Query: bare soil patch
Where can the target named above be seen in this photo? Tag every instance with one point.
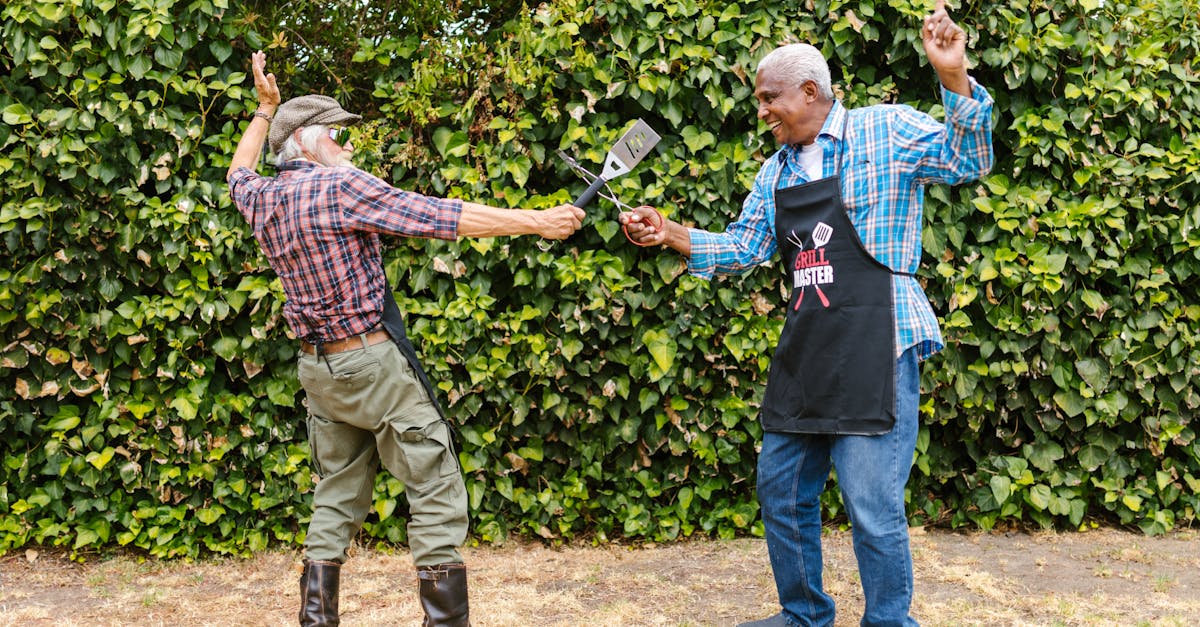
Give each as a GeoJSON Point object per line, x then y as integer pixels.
{"type": "Point", "coordinates": [1099, 577]}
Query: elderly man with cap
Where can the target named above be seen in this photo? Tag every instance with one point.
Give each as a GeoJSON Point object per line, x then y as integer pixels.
{"type": "Point", "coordinates": [319, 223]}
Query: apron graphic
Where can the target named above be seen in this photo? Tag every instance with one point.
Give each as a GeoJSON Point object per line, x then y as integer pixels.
{"type": "Point", "coordinates": [811, 267]}
{"type": "Point", "coordinates": [834, 367]}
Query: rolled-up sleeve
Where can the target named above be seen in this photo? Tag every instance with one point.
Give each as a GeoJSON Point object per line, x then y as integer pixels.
{"type": "Point", "coordinates": [745, 244]}
{"type": "Point", "coordinates": [375, 206]}
{"type": "Point", "coordinates": [961, 149]}
{"type": "Point", "coordinates": [244, 188]}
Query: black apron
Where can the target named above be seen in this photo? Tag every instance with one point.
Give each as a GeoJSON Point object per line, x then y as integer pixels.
{"type": "Point", "coordinates": [834, 368]}
{"type": "Point", "coordinates": [393, 323]}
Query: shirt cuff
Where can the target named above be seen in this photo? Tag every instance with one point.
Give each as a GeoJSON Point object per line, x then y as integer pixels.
{"type": "Point", "coordinates": [967, 111]}
{"type": "Point", "coordinates": [702, 263]}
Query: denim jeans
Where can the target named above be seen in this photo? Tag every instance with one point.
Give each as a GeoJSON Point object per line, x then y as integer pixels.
{"type": "Point", "coordinates": [871, 472]}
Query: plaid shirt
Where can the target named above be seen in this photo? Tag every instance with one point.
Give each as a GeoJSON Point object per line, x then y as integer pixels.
{"type": "Point", "coordinates": [894, 152]}
{"type": "Point", "coordinates": [319, 228]}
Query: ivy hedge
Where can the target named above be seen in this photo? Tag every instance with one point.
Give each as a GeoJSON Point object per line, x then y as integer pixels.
{"type": "Point", "coordinates": [148, 395]}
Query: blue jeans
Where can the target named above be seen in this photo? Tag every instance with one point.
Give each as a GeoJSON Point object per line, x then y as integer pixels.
{"type": "Point", "coordinates": [871, 471]}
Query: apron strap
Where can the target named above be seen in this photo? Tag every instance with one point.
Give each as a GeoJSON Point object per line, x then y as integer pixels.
{"type": "Point", "coordinates": [393, 323]}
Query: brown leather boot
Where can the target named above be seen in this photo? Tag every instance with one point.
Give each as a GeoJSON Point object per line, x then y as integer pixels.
{"type": "Point", "coordinates": [319, 594]}
{"type": "Point", "coordinates": [444, 595]}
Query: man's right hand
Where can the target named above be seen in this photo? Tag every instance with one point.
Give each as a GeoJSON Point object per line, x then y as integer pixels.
{"type": "Point", "coordinates": [559, 222]}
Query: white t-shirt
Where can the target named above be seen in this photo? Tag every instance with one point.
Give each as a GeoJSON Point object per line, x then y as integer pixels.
{"type": "Point", "coordinates": [811, 157]}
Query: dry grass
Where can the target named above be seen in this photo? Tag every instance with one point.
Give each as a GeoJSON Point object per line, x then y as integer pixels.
{"type": "Point", "coordinates": [1102, 577]}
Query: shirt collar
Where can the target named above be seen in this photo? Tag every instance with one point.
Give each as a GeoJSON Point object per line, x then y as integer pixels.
{"type": "Point", "coordinates": [834, 125]}
{"type": "Point", "coordinates": [298, 164]}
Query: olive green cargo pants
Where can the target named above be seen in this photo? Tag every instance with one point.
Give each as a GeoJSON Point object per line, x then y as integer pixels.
{"type": "Point", "coordinates": [366, 407]}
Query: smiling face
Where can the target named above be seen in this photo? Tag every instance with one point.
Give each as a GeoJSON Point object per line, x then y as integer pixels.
{"type": "Point", "coordinates": [794, 113]}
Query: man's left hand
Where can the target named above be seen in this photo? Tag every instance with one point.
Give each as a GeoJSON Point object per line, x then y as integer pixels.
{"type": "Point", "coordinates": [264, 84]}
{"type": "Point", "coordinates": [946, 47]}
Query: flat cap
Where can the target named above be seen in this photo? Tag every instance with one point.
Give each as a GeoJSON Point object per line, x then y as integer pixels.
{"type": "Point", "coordinates": [306, 111]}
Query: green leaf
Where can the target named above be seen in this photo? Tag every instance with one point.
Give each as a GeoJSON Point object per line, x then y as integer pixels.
{"type": "Point", "coordinates": [662, 348]}
{"type": "Point", "coordinates": [1001, 488]}
{"type": "Point", "coordinates": [1070, 402]}
{"type": "Point", "coordinates": [571, 348]}
{"type": "Point", "coordinates": [63, 423]}
{"type": "Point", "coordinates": [227, 348]}
{"type": "Point", "coordinates": [100, 459]}
{"type": "Point", "coordinates": [138, 66]}
{"type": "Point", "coordinates": [1039, 496]}
{"type": "Point", "coordinates": [16, 114]}
{"type": "Point", "coordinates": [1043, 454]}
{"type": "Point", "coordinates": [451, 143]}
{"type": "Point", "coordinates": [1092, 456]}
{"type": "Point", "coordinates": [221, 50]}
{"type": "Point", "coordinates": [1094, 372]}
{"type": "Point", "coordinates": [210, 515]}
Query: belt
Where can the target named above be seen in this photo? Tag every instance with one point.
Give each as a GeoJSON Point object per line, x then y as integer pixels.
{"type": "Point", "coordinates": [351, 343]}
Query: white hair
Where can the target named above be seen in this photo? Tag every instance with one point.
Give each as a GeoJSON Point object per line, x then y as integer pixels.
{"type": "Point", "coordinates": [799, 63]}
{"type": "Point", "coordinates": [310, 136]}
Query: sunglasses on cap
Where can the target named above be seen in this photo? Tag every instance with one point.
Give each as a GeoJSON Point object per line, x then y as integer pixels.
{"type": "Point", "coordinates": [340, 135]}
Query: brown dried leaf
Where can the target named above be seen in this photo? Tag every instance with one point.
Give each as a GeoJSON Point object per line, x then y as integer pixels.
{"type": "Point", "coordinates": [517, 462]}
{"type": "Point", "coordinates": [83, 368]}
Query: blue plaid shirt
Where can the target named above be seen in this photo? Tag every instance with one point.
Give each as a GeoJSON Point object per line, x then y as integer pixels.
{"type": "Point", "coordinates": [893, 152]}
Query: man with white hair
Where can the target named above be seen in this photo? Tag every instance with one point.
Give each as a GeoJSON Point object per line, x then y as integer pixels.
{"type": "Point", "coordinates": [841, 202]}
{"type": "Point", "coordinates": [319, 223]}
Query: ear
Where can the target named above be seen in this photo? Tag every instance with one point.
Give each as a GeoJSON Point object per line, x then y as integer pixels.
{"type": "Point", "coordinates": [303, 149]}
{"type": "Point", "coordinates": [811, 92]}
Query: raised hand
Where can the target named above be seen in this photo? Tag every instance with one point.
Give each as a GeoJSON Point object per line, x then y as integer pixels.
{"type": "Point", "coordinates": [946, 48]}
{"type": "Point", "coordinates": [264, 84]}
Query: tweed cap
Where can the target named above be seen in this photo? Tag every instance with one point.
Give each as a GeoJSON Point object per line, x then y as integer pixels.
{"type": "Point", "coordinates": [306, 111]}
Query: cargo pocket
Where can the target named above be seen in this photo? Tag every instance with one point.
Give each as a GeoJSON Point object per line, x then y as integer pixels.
{"type": "Point", "coordinates": [428, 453]}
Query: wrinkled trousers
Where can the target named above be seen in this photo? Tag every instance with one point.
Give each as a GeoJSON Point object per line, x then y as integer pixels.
{"type": "Point", "coordinates": [366, 407]}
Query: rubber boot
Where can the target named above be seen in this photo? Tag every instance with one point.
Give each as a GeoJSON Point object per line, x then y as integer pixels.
{"type": "Point", "coordinates": [444, 595]}
{"type": "Point", "coordinates": [319, 594]}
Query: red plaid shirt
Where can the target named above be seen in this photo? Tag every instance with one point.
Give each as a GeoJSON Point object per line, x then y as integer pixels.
{"type": "Point", "coordinates": [319, 228]}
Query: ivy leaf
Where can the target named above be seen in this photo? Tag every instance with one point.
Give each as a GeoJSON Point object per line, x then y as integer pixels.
{"type": "Point", "coordinates": [138, 66]}
{"type": "Point", "coordinates": [662, 348]}
{"type": "Point", "coordinates": [1094, 372]}
{"type": "Point", "coordinates": [1070, 402]}
{"type": "Point", "coordinates": [1001, 488]}
{"type": "Point", "coordinates": [63, 423]}
{"type": "Point", "coordinates": [1092, 456]}
{"type": "Point", "coordinates": [451, 143]}
{"type": "Point", "coordinates": [226, 348]}
{"type": "Point", "coordinates": [1043, 454]}
{"type": "Point", "coordinates": [16, 113]}
{"type": "Point", "coordinates": [221, 50]}
{"type": "Point", "coordinates": [607, 229]}
{"type": "Point", "coordinates": [1039, 496]}
{"type": "Point", "coordinates": [571, 348]}
{"type": "Point", "coordinates": [100, 459]}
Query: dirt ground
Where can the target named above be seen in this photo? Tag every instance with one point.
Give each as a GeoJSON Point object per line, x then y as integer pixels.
{"type": "Point", "coordinates": [1098, 577]}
